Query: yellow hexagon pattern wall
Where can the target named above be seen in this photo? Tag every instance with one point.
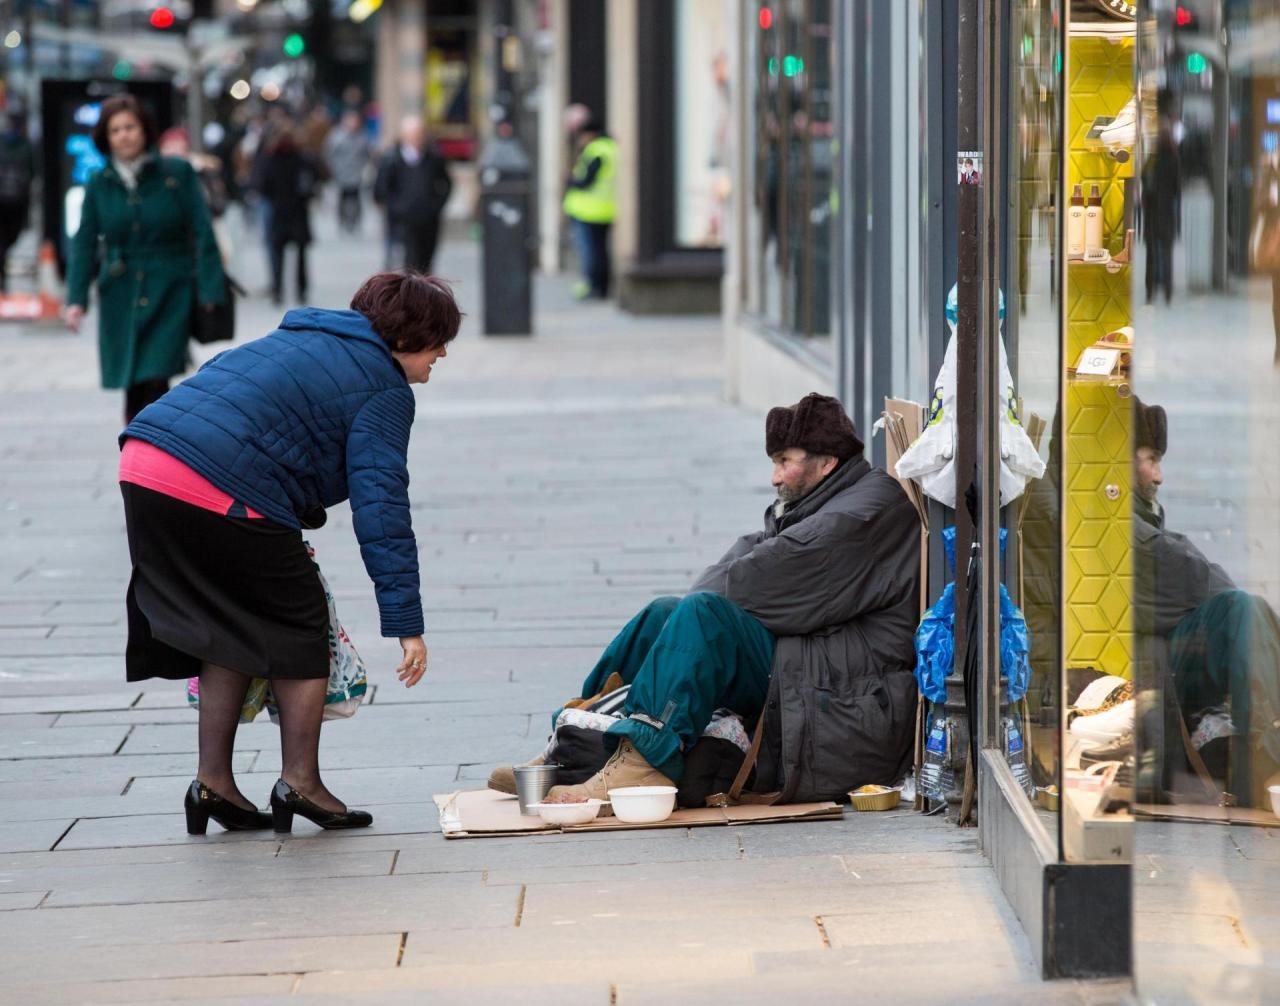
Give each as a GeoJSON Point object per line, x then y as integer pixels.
{"type": "Point", "coordinates": [1098, 575]}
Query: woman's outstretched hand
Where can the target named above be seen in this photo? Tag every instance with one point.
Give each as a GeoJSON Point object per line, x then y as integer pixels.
{"type": "Point", "coordinates": [73, 314]}
{"type": "Point", "coordinates": [414, 664]}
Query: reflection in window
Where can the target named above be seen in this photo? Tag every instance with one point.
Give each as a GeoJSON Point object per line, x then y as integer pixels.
{"type": "Point", "coordinates": [1206, 502]}
{"type": "Point", "coordinates": [702, 123]}
{"type": "Point", "coordinates": [792, 198]}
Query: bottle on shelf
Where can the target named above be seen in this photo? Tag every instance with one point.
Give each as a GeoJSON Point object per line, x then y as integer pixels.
{"type": "Point", "coordinates": [1075, 223]}
{"type": "Point", "coordinates": [1093, 224]}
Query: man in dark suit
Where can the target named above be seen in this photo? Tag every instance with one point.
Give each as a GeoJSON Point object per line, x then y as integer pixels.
{"type": "Point", "coordinates": [412, 187]}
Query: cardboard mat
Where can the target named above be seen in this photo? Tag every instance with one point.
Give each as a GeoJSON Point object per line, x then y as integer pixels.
{"type": "Point", "coordinates": [484, 813]}
{"type": "Point", "coordinates": [1207, 813]}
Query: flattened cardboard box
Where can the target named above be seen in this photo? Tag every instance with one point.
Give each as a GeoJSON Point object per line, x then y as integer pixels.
{"type": "Point", "coordinates": [485, 813]}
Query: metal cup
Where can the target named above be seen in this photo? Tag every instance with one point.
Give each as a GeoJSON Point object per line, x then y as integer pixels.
{"type": "Point", "coordinates": [532, 783]}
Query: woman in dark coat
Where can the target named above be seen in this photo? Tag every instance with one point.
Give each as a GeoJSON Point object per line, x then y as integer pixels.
{"type": "Point", "coordinates": [145, 225]}
{"type": "Point", "coordinates": [286, 179]}
{"type": "Point", "coordinates": [219, 477]}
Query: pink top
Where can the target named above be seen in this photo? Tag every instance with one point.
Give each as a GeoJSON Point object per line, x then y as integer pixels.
{"type": "Point", "coordinates": [146, 465]}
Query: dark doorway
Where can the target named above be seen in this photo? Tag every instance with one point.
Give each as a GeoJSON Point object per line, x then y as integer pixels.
{"type": "Point", "coordinates": [587, 46]}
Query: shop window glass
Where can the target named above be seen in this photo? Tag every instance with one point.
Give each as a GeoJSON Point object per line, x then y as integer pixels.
{"type": "Point", "coordinates": [793, 169]}
{"type": "Point", "coordinates": [702, 111]}
{"type": "Point", "coordinates": [1093, 439]}
{"type": "Point", "coordinates": [1206, 528]}
{"type": "Point", "coordinates": [1033, 333]}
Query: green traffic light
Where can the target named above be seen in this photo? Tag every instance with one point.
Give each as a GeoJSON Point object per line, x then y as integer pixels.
{"type": "Point", "coordinates": [122, 70]}
{"type": "Point", "coordinates": [1196, 63]}
{"type": "Point", "coordinates": [791, 65]}
{"type": "Point", "coordinates": [294, 46]}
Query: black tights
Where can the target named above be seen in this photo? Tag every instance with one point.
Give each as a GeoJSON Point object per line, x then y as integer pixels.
{"type": "Point", "coordinates": [138, 396]}
{"type": "Point", "coordinates": [301, 703]}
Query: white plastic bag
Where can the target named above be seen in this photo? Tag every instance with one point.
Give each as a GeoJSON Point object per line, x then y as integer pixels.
{"type": "Point", "coordinates": [931, 459]}
{"type": "Point", "coordinates": [347, 679]}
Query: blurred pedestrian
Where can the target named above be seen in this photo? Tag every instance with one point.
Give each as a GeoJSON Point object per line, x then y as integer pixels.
{"type": "Point", "coordinates": [17, 167]}
{"type": "Point", "coordinates": [1161, 209]}
{"type": "Point", "coordinates": [590, 203]}
{"type": "Point", "coordinates": [413, 186]}
{"type": "Point", "coordinates": [217, 488]}
{"type": "Point", "coordinates": [145, 229]}
{"type": "Point", "coordinates": [176, 143]}
{"type": "Point", "coordinates": [346, 151]}
{"type": "Point", "coordinates": [286, 178]}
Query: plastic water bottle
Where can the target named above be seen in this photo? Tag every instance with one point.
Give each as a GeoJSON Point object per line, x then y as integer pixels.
{"type": "Point", "coordinates": [936, 776]}
{"type": "Point", "coordinates": [1015, 754]}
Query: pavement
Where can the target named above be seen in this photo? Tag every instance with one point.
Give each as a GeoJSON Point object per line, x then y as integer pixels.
{"type": "Point", "coordinates": [559, 483]}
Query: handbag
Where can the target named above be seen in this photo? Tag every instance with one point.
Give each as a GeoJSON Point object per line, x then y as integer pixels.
{"type": "Point", "coordinates": [348, 681]}
{"type": "Point", "coordinates": [1264, 248]}
{"type": "Point", "coordinates": [217, 323]}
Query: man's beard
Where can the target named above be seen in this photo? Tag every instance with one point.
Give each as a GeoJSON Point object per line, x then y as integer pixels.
{"type": "Point", "coordinates": [788, 495]}
{"type": "Point", "coordinates": [1146, 493]}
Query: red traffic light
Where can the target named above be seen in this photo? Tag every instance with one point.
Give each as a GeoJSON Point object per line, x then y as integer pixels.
{"type": "Point", "coordinates": [766, 18]}
{"type": "Point", "coordinates": [1182, 17]}
{"type": "Point", "coordinates": [162, 17]}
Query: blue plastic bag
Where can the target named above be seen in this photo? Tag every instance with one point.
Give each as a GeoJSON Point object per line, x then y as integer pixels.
{"type": "Point", "coordinates": [936, 642]}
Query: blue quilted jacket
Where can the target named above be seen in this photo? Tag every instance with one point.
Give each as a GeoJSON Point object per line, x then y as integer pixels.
{"type": "Point", "coordinates": [314, 413]}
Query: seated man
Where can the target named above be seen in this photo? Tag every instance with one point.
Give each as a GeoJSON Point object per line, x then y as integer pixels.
{"type": "Point", "coordinates": [812, 617]}
{"type": "Point", "coordinates": [1201, 640]}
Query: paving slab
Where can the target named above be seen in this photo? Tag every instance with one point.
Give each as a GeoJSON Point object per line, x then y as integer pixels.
{"type": "Point", "coordinates": [267, 955]}
{"type": "Point", "coordinates": [68, 703]}
{"type": "Point", "coordinates": [32, 836]}
{"type": "Point", "coordinates": [387, 904]}
{"type": "Point", "coordinates": [120, 767]}
{"type": "Point", "coordinates": [49, 743]}
{"type": "Point", "coordinates": [235, 988]}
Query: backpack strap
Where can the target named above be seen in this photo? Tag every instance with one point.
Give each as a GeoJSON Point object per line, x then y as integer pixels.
{"type": "Point", "coordinates": [1219, 797]}
{"type": "Point", "coordinates": [735, 796]}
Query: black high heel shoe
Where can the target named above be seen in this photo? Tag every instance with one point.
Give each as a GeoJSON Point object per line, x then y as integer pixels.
{"type": "Point", "coordinates": [203, 803]}
{"type": "Point", "coordinates": [287, 801]}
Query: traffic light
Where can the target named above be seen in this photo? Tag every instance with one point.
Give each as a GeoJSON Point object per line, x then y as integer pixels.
{"type": "Point", "coordinates": [162, 18]}
{"type": "Point", "coordinates": [1183, 17]}
{"type": "Point", "coordinates": [765, 18]}
{"type": "Point", "coordinates": [294, 46]}
{"type": "Point", "coordinates": [1196, 63]}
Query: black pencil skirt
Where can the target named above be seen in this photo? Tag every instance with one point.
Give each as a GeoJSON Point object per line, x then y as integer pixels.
{"type": "Point", "coordinates": [237, 592]}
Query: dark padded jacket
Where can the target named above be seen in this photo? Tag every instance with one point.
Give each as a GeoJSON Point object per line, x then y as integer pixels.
{"type": "Point", "coordinates": [836, 580]}
{"type": "Point", "coordinates": [298, 421]}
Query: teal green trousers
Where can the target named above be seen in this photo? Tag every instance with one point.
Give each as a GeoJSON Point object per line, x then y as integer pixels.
{"type": "Point", "coordinates": [1229, 648]}
{"type": "Point", "coordinates": [684, 658]}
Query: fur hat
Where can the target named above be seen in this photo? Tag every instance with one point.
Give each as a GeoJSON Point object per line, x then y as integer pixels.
{"type": "Point", "coordinates": [1150, 427]}
{"type": "Point", "coordinates": [816, 423]}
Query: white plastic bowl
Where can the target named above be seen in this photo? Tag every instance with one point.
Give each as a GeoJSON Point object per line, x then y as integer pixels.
{"type": "Point", "coordinates": [1274, 792]}
{"type": "Point", "coordinates": [643, 804]}
{"type": "Point", "coordinates": [568, 813]}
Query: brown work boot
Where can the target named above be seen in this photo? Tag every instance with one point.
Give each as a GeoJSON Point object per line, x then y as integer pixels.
{"type": "Point", "coordinates": [503, 778]}
{"type": "Point", "coordinates": [627, 767]}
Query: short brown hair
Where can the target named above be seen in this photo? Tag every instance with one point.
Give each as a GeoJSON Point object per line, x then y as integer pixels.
{"type": "Point", "coordinates": [411, 311]}
{"type": "Point", "coordinates": [113, 107]}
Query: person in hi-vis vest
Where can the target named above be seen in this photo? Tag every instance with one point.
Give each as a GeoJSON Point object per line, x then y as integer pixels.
{"type": "Point", "coordinates": [590, 201]}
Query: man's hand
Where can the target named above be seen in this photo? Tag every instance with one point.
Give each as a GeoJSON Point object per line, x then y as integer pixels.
{"type": "Point", "coordinates": [73, 314]}
{"type": "Point", "coordinates": [414, 664]}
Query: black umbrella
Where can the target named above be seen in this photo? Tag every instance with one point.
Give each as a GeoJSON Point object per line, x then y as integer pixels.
{"type": "Point", "coordinates": [972, 666]}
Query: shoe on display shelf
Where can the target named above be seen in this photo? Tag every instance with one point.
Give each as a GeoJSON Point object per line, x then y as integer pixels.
{"type": "Point", "coordinates": [1121, 132]}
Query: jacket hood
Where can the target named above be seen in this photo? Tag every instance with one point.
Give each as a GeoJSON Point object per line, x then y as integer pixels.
{"type": "Point", "coordinates": [344, 324]}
